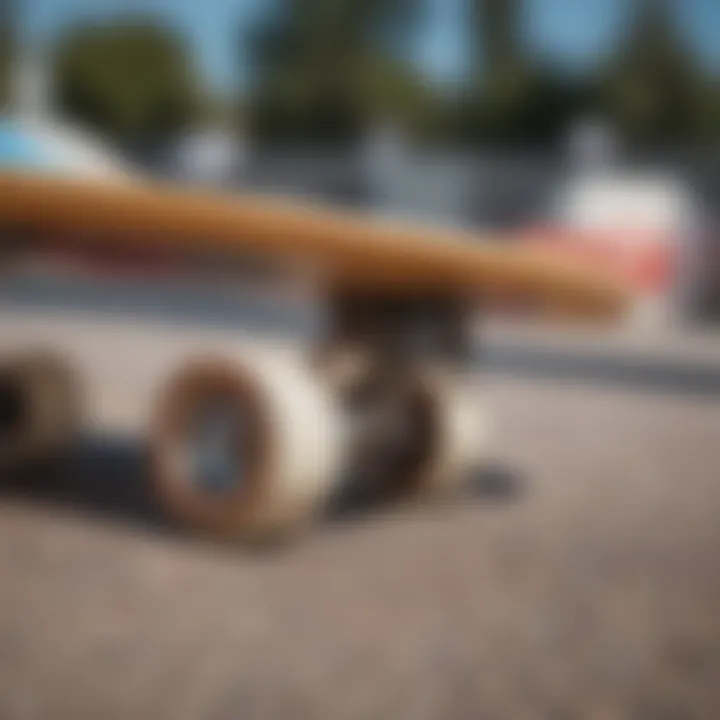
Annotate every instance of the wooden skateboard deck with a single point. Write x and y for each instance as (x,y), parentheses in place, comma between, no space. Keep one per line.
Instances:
(345,251)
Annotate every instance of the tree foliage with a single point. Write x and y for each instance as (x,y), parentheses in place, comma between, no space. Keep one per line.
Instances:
(509,95)
(520,104)
(131,81)
(322,68)
(652,90)
(707,125)
(6,51)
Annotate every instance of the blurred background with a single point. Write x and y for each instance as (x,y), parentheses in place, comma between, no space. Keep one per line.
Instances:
(541,117)
(470,74)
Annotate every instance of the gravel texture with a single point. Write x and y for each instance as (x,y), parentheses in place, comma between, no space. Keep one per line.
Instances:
(592,590)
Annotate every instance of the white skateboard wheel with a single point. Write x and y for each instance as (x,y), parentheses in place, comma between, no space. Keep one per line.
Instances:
(456,437)
(245,447)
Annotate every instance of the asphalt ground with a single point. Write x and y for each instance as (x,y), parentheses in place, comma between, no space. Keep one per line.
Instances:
(579,578)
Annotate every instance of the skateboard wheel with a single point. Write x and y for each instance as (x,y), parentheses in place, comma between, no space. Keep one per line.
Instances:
(245,449)
(40,408)
(419,433)
(454,438)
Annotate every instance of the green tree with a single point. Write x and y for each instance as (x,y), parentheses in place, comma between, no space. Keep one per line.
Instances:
(500,80)
(652,89)
(395,91)
(130,81)
(495,26)
(707,121)
(322,67)
(6,50)
(510,96)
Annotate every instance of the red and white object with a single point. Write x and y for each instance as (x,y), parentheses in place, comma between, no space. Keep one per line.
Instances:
(643,228)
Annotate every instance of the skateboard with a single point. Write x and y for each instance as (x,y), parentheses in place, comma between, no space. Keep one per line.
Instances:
(244,449)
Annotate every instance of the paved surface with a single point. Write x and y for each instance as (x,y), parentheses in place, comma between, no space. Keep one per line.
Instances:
(594,591)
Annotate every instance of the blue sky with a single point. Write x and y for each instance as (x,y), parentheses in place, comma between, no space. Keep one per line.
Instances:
(575,32)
